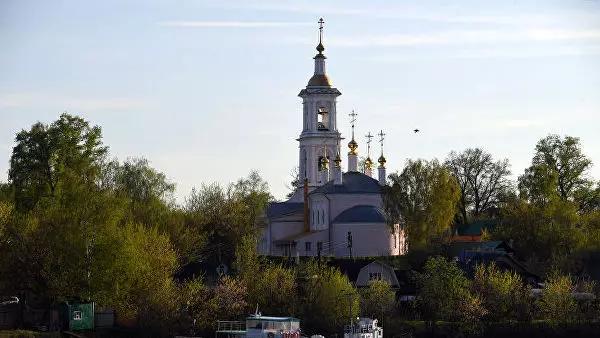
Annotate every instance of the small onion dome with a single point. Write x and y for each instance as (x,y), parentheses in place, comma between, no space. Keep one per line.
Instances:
(324,163)
(320,47)
(338,161)
(381,161)
(352,145)
(368,163)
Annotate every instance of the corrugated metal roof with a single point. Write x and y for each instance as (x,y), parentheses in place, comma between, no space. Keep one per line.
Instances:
(361,214)
(476,228)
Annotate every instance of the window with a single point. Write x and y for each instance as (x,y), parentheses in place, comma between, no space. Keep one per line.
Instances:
(323,119)
(395,242)
(319,246)
(374,275)
(77,315)
(323,217)
(307,246)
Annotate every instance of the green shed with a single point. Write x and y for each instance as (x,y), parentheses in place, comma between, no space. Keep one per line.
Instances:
(79,316)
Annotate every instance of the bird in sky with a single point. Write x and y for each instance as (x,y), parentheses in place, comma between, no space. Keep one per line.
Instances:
(416,130)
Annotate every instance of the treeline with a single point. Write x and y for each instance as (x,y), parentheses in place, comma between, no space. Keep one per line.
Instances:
(550,215)
(78,224)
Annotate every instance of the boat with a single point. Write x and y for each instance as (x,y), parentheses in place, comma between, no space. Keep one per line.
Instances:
(365,328)
(259,326)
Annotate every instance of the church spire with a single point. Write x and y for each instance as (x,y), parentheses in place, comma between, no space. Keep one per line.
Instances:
(320,47)
(352,155)
(381,169)
(368,161)
(320,78)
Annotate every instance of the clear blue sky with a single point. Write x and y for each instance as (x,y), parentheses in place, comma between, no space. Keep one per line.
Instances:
(206,90)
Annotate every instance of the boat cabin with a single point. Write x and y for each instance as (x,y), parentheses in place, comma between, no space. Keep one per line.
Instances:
(258,326)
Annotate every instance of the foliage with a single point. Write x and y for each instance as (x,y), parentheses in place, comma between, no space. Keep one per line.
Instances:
(423,198)
(503,293)
(45,155)
(443,293)
(225,216)
(483,182)
(553,231)
(559,169)
(294,183)
(556,302)
(378,299)
(231,298)
(327,297)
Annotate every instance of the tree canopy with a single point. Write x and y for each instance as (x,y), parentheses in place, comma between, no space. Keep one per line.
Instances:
(423,198)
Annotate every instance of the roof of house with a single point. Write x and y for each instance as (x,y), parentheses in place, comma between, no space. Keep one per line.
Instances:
(353,182)
(454,249)
(278,209)
(350,267)
(476,228)
(361,214)
(295,237)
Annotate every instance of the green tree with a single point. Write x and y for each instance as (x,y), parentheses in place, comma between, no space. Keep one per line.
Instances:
(503,293)
(45,155)
(378,299)
(443,293)
(552,231)
(327,297)
(225,216)
(483,182)
(557,302)
(423,198)
(559,169)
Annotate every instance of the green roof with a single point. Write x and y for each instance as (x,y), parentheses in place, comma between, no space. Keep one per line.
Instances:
(476,228)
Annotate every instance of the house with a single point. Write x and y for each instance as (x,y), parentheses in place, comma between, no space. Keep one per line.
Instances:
(472,231)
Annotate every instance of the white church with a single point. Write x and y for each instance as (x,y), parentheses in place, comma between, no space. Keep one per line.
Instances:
(331,213)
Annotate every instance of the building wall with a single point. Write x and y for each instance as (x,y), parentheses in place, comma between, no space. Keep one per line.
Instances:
(368,239)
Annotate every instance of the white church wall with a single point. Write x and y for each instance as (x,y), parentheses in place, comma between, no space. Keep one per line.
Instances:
(319,212)
(311,249)
(368,239)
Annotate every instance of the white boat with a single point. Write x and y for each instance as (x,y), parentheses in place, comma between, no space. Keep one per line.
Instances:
(259,326)
(365,328)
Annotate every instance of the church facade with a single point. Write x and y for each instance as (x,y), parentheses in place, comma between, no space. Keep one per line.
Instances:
(331,213)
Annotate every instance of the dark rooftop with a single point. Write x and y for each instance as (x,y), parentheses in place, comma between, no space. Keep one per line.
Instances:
(352,183)
(361,214)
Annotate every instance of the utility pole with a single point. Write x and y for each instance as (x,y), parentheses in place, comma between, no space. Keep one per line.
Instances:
(350,243)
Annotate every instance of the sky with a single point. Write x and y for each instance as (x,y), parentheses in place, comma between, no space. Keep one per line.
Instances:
(207,90)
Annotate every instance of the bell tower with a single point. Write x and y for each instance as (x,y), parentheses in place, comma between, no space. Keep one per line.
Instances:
(320,136)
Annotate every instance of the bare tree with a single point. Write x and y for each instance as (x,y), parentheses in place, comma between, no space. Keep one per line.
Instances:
(483,182)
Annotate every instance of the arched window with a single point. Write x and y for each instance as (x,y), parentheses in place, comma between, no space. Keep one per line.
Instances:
(323,119)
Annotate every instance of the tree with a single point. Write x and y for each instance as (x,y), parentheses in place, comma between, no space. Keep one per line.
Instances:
(483,182)
(328,294)
(559,169)
(378,299)
(295,183)
(443,293)
(423,198)
(503,293)
(557,302)
(551,232)
(225,216)
(45,155)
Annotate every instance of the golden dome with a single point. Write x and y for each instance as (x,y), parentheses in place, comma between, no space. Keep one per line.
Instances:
(319,80)
(352,145)
(381,161)
(368,163)
(338,161)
